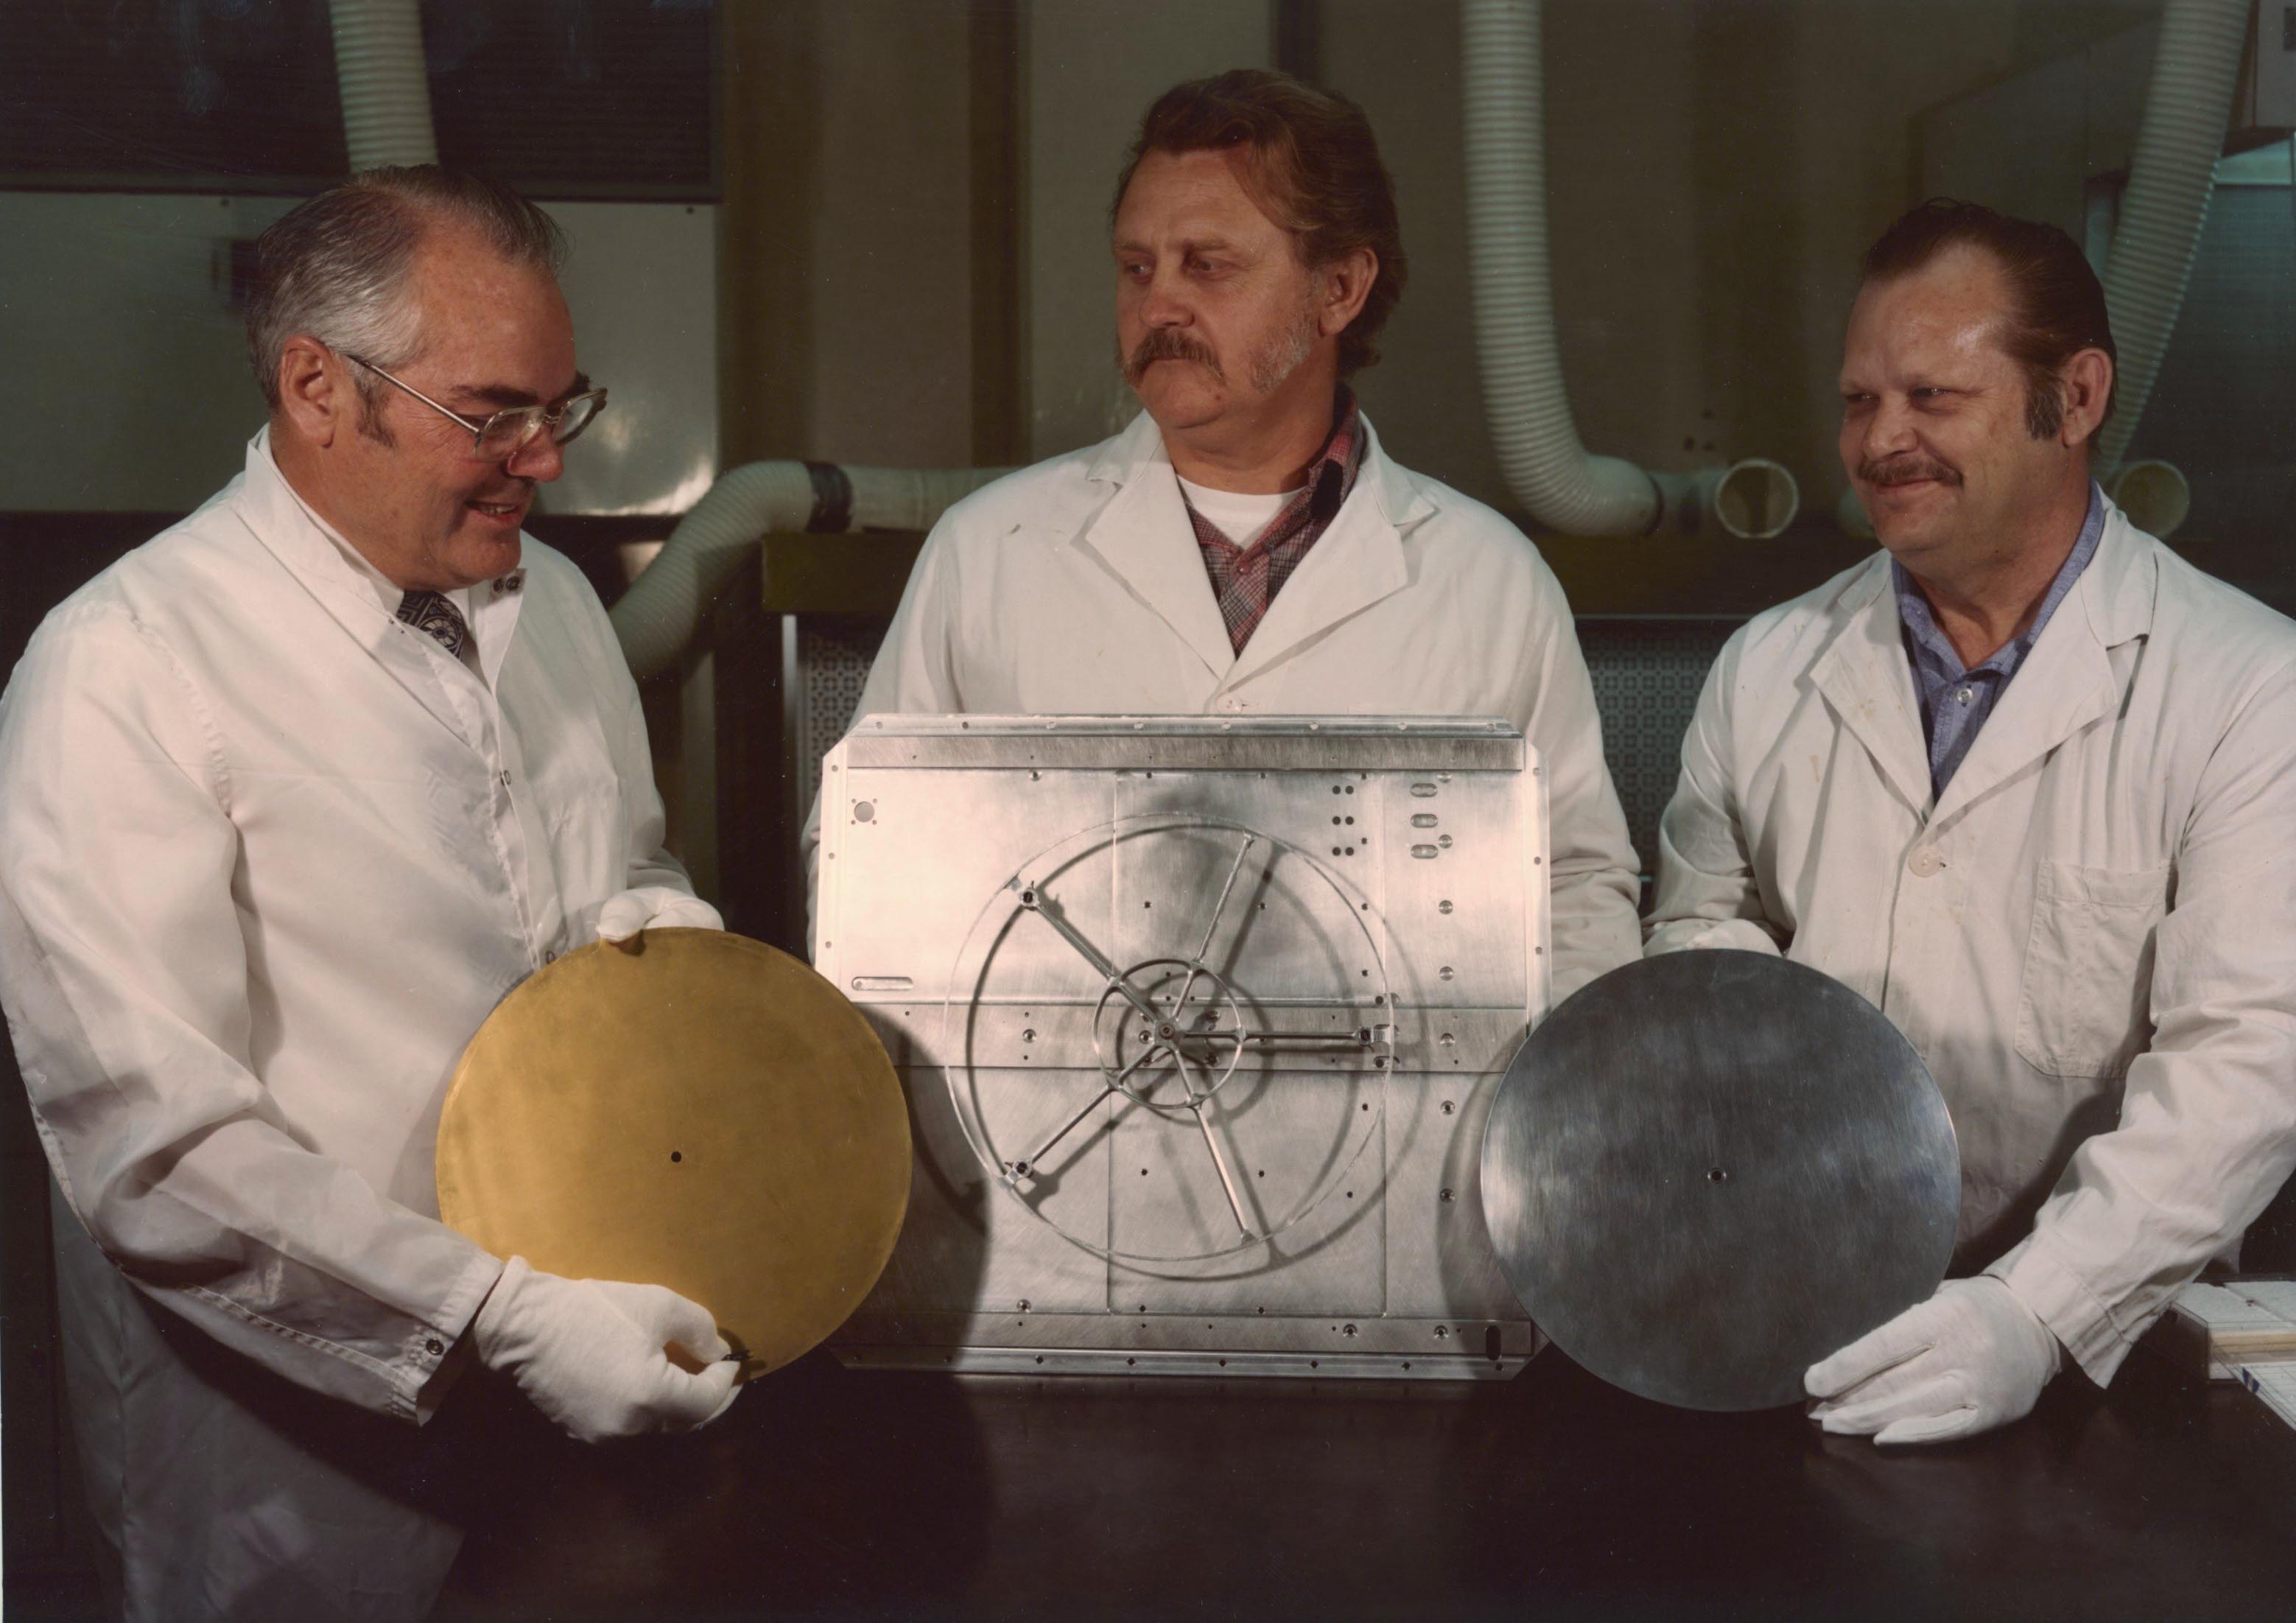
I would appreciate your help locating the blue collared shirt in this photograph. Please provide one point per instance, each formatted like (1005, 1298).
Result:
(1957, 698)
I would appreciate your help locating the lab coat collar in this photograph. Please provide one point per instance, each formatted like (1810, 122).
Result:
(1865, 681)
(1142, 532)
(316, 556)
(2066, 682)
(1356, 563)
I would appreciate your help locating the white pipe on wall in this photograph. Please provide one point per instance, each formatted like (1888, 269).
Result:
(385, 89)
(2170, 177)
(1751, 500)
(1547, 468)
(664, 608)
(2154, 495)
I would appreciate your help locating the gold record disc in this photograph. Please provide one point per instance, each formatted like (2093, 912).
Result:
(701, 1112)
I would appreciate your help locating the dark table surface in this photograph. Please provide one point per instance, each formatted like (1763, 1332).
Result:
(827, 1491)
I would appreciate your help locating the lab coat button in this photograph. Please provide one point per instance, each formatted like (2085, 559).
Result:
(434, 1347)
(1926, 863)
(550, 958)
(505, 777)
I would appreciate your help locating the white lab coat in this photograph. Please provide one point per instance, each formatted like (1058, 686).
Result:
(1077, 587)
(267, 859)
(2091, 936)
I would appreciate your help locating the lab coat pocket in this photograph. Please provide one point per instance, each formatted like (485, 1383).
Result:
(2084, 1008)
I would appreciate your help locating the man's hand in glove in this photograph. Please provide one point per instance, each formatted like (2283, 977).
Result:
(654, 908)
(1971, 1357)
(589, 1352)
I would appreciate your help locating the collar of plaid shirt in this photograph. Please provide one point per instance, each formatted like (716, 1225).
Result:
(1245, 579)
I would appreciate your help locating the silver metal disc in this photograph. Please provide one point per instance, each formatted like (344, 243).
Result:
(1706, 1171)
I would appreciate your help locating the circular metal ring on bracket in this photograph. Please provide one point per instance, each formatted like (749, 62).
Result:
(1167, 1037)
(1035, 888)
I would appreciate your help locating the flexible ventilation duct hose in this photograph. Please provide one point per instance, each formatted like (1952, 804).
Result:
(658, 615)
(1547, 467)
(386, 94)
(2166, 204)
(2171, 176)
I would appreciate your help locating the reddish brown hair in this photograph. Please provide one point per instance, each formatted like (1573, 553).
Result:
(1311, 165)
(2057, 305)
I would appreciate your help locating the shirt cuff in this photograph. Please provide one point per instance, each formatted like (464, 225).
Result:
(2062, 1299)
(436, 1353)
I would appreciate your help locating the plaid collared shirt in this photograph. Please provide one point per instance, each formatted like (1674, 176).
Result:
(1245, 579)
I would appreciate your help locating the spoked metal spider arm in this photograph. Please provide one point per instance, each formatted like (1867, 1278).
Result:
(1189, 1050)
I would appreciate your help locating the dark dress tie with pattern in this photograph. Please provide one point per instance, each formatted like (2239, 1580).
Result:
(435, 613)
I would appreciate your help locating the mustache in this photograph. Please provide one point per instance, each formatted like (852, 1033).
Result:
(1906, 469)
(1168, 344)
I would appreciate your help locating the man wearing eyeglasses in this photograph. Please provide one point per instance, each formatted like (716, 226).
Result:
(289, 798)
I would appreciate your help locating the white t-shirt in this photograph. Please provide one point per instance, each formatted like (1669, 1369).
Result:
(1240, 517)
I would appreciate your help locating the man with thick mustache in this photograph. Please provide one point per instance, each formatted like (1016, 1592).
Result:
(290, 796)
(2027, 781)
(1246, 546)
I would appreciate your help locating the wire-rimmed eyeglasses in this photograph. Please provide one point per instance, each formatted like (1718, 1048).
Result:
(512, 429)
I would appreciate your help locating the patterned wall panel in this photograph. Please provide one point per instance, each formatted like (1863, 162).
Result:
(1647, 674)
(833, 654)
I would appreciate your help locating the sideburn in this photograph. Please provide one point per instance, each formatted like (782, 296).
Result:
(370, 425)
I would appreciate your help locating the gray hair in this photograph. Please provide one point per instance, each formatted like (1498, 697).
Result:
(335, 267)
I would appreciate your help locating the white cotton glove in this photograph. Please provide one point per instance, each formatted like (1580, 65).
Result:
(588, 1353)
(650, 907)
(1971, 1357)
